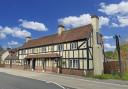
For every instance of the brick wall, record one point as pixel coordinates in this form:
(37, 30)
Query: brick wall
(73, 72)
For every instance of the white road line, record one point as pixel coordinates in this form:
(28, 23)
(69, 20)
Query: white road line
(51, 82)
(38, 79)
(58, 84)
(92, 81)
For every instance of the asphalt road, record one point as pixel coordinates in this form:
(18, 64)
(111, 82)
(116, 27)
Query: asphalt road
(14, 82)
(68, 81)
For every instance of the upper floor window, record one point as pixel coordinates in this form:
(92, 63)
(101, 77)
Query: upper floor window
(43, 49)
(52, 48)
(60, 47)
(23, 51)
(73, 45)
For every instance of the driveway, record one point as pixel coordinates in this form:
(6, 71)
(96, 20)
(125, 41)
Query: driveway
(73, 82)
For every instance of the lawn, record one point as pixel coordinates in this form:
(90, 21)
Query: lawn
(112, 76)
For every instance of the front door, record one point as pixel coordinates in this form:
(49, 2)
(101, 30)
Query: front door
(33, 63)
(43, 64)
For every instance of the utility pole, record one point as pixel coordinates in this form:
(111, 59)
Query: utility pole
(118, 51)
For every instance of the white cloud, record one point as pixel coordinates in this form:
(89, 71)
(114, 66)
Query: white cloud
(76, 21)
(33, 25)
(118, 11)
(103, 21)
(123, 21)
(15, 32)
(84, 19)
(111, 9)
(115, 25)
(20, 33)
(12, 43)
(108, 37)
(2, 35)
(108, 46)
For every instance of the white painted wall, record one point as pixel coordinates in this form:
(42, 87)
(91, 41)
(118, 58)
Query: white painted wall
(4, 55)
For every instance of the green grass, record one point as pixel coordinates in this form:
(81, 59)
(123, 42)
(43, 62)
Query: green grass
(112, 76)
(125, 76)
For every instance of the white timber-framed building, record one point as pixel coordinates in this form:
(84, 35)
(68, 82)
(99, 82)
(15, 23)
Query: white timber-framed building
(76, 51)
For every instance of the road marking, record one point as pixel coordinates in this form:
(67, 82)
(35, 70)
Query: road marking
(57, 84)
(51, 82)
(76, 79)
(91, 81)
(37, 79)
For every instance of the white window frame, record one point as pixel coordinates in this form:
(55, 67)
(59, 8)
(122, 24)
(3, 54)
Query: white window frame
(60, 47)
(73, 63)
(73, 45)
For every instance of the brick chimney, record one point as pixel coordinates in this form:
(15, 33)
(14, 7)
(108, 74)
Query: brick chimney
(97, 48)
(61, 29)
(28, 39)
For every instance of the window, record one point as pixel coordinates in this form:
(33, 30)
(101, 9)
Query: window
(23, 51)
(99, 38)
(43, 49)
(73, 45)
(73, 63)
(52, 48)
(33, 50)
(60, 47)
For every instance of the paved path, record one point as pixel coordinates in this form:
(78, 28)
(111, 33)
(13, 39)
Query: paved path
(73, 82)
(13, 82)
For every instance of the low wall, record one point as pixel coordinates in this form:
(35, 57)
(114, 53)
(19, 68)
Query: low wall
(78, 72)
(17, 66)
(2, 65)
(14, 66)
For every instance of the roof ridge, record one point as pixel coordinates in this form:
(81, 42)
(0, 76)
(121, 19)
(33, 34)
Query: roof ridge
(76, 28)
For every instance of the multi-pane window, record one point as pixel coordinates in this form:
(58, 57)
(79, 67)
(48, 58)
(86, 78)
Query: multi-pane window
(33, 50)
(51, 48)
(43, 49)
(73, 63)
(60, 47)
(73, 45)
(23, 51)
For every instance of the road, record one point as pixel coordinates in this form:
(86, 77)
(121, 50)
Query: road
(72, 82)
(14, 82)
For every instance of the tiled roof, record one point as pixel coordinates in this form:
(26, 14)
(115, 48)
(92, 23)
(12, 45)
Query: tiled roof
(68, 35)
(49, 55)
(13, 57)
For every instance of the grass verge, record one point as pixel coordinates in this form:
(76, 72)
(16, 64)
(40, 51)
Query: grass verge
(112, 76)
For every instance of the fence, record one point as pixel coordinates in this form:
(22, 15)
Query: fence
(113, 66)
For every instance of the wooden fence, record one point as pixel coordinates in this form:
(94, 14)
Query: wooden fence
(113, 66)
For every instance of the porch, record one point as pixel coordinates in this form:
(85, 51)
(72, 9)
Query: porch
(43, 62)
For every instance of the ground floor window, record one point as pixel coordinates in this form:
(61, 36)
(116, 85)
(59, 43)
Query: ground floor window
(73, 63)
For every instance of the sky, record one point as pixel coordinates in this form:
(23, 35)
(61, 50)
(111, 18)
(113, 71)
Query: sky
(37, 18)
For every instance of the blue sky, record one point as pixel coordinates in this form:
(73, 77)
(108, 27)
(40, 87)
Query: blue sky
(36, 18)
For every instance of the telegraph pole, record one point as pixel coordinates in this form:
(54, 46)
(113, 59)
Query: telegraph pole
(118, 51)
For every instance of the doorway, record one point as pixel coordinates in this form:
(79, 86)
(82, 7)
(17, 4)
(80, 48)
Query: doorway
(33, 64)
